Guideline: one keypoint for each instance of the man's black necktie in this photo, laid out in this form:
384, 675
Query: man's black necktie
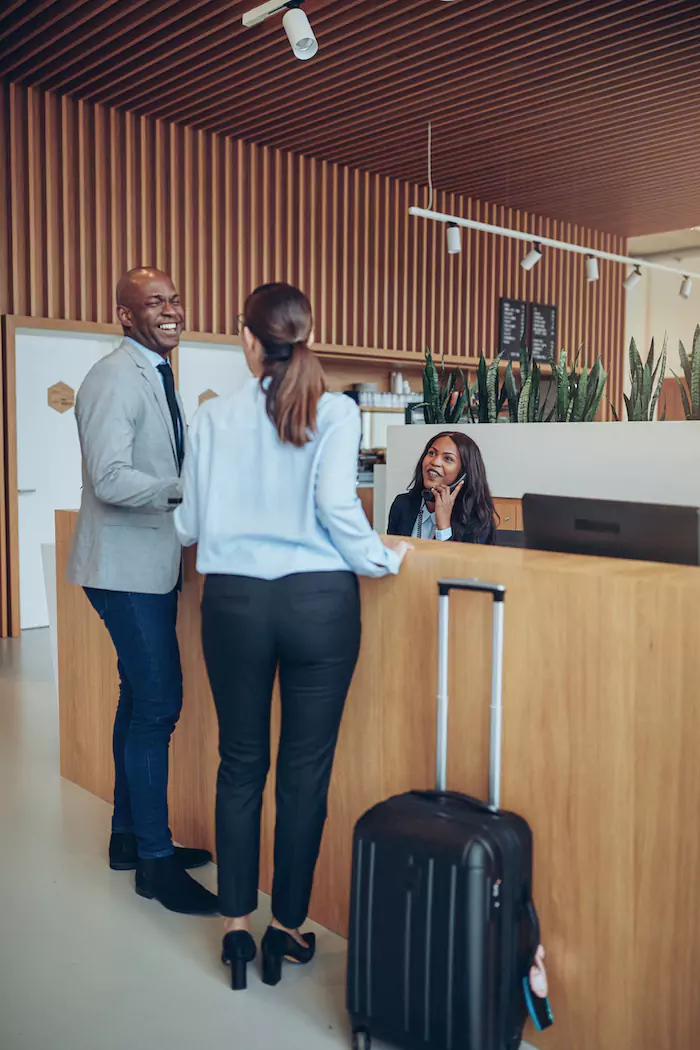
169, 385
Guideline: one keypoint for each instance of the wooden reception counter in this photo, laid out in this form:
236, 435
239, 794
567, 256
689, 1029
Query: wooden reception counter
601, 755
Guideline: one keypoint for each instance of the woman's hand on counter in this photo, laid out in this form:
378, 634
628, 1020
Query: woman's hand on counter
399, 545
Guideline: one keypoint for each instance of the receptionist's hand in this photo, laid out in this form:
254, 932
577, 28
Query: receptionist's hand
444, 502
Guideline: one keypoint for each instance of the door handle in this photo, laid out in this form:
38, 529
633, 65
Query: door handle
25, 492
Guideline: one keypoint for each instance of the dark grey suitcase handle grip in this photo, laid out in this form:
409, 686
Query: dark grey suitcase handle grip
498, 593
497, 590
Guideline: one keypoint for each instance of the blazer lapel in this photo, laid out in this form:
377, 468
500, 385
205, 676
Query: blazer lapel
413, 508
150, 376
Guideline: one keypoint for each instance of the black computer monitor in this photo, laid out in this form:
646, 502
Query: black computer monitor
612, 529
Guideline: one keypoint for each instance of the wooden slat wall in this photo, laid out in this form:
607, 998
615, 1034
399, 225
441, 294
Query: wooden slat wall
87, 192
5, 624
93, 191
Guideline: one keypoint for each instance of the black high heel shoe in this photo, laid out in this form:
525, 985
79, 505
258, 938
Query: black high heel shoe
278, 946
238, 950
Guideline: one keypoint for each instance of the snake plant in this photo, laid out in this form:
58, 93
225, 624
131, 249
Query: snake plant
578, 394
691, 371
444, 394
645, 389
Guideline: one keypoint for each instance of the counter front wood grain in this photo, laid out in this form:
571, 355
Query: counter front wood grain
601, 744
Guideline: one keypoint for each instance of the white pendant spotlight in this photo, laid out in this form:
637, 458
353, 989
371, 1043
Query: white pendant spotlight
295, 21
532, 257
686, 288
632, 279
592, 271
454, 239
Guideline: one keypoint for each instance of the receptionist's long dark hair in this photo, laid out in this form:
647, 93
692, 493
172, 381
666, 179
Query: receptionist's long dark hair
473, 515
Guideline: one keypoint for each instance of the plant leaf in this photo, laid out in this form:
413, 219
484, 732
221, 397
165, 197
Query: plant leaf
524, 400
684, 398
650, 356
481, 375
534, 406
595, 396
695, 382
636, 367
454, 413
512, 393
646, 392
492, 387
696, 345
658, 363
431, 388
580, 399
524, 362
685, 360
662, 373
468, 399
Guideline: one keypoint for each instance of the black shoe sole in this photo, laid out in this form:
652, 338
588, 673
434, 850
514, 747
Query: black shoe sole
126, 865
180, 911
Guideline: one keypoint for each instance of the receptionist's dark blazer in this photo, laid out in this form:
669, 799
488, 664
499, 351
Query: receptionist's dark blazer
403, 514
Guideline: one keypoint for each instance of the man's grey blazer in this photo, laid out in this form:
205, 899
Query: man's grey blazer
125, 536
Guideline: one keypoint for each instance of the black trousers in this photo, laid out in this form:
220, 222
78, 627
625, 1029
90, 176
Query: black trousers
307, 626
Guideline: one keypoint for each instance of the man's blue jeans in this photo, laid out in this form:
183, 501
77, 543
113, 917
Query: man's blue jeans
142, 628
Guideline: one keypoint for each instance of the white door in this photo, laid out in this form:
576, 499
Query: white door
209, 368
48, 451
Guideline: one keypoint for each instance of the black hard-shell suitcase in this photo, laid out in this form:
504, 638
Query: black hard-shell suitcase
442, 925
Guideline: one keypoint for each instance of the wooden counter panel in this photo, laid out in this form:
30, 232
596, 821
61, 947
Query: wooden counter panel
601, 737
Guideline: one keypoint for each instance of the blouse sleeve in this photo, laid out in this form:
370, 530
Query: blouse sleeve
187, 514
337, 504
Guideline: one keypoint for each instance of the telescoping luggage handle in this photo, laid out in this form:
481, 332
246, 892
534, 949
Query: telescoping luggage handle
498, 593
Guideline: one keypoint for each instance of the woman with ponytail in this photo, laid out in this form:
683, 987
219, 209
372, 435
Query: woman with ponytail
270, 498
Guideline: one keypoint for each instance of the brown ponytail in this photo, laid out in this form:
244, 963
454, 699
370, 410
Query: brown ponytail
279, 316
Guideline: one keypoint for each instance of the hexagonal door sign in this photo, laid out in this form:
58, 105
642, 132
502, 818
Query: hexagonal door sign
61, 397
207, 395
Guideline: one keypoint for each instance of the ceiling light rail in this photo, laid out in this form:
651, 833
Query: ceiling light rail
592, 254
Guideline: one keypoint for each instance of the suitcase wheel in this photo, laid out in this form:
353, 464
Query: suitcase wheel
361, 1039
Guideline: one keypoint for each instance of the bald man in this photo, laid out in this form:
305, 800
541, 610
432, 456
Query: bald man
126, 556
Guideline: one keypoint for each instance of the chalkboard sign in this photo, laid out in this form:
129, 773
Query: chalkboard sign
535, 322
512, 328
543, 332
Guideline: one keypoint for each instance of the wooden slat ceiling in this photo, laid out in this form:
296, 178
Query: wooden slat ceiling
586, 110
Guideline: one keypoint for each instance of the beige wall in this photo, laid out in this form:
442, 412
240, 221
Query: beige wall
655, 309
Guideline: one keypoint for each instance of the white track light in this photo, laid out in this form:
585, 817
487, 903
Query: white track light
686, 288
536, 253
632, 279
295, 21
592, 272
454, 239
532, 257
300, 34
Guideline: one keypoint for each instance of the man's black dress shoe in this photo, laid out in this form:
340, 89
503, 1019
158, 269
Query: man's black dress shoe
164, 879
123, 853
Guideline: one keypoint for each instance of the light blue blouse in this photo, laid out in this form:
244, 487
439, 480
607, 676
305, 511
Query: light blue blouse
258, 507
